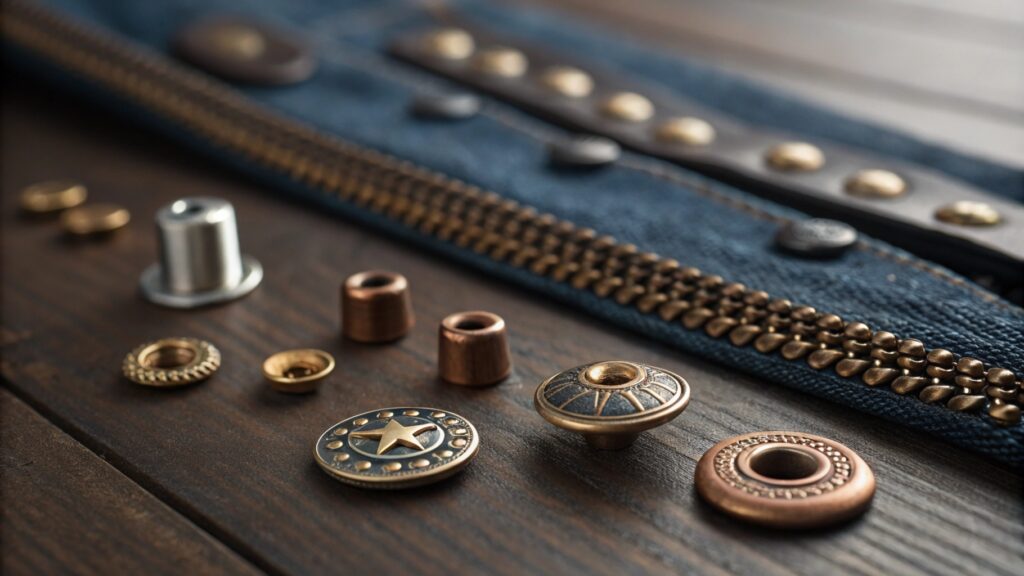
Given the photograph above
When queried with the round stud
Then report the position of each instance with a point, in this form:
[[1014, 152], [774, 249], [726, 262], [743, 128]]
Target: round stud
[[611, 402], [297, 371], [376, 307], [451, 44], [94, 219], [455, 106], [501, 61], [785, 479], [628, 106], [686, 130], [389, 449], [795, 157], [584, 151], [876, 183], [816, 238], [968, 213], [52, 196], [171, 362], [567, 81], [473, 349]]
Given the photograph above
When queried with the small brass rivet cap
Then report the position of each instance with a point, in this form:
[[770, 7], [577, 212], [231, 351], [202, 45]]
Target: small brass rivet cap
[[501, 61], [686, 130], [785, 479], [376, 307], [91, 219], [451, 44], [52, 196], [628, 106], [568, 81], [968, 213], [473, 349], [876, 183], [171, 362], [611, 402], [795, 157], [297, 371]]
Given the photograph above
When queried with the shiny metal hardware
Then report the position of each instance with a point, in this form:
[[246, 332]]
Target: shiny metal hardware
[[816, 238], [567, 81], [200, 261], [795, 157], [297, 371], [52, 196], [450, 44], [393, 448], [686, 130], [94, 219], [785, 479], [584, 151], [171, 362], [454, 106], [968, 213], [876, 183], [473, 349], [376, 307], [611, 402], [501, 61], [628, 106]]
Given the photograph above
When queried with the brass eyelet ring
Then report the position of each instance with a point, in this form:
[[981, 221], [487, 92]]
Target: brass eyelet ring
[[171, 362], [297, 371]]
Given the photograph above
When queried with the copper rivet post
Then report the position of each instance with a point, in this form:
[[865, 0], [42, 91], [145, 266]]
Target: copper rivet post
[[297, 371], [376, 307], [473, 349]]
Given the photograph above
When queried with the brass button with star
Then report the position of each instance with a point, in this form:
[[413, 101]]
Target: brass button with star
[[393, 448]]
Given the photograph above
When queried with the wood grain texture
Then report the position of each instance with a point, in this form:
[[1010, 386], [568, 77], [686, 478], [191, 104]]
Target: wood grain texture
[[236, 458]]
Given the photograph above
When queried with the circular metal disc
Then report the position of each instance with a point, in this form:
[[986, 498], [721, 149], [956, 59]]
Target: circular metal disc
[[153, 288]]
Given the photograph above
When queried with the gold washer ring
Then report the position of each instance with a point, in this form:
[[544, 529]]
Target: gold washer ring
[[171, 362], [297, 371]]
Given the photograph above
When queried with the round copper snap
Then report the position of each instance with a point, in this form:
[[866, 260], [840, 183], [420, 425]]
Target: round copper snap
[[376, 307], [473, 349], [297, 371], [785, 479]]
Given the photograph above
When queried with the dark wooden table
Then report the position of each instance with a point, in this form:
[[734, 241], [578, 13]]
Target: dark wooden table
[[101, 476]]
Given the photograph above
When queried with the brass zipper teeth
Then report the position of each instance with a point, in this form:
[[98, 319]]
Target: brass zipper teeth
[[506, 231]]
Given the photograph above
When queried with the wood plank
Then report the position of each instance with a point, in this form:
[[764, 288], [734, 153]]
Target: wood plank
[[235, 457]]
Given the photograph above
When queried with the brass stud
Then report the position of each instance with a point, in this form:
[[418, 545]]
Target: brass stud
[[451, 44], [94, 219], [376, 307], [686, 130], [501, 61], [968, 213], [297, 371], [568, 81], [52, 196], [876, 183], [473, 349], [237, 40], [628, 106], [795, 157]]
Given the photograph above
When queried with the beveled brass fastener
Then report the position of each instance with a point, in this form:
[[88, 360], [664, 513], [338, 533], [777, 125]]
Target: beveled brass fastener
[[376, 307], [171, 362], [297, 371]]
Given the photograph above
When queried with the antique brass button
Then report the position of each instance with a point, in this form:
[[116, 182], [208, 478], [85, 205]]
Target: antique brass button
[[501, 61], [376, 307], [686, 130], [611, 402], [785, 479], [171, 362], [451, 44], [473, 349], [93, 219], [968, 213], [456, 106], [816, 238], [795, 157], [876, 183], [52, 196], [297, 371], [568, 81], [584, 151], [628, 106], [397, 447]]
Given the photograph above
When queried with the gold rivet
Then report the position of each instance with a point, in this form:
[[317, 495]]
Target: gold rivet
[[363, 465], [392, 467], [686, 130], [501, 61], [359, 422], [52, 196], [420, 463], [968, 213], [451, 44], [446, 453], [239, 41], [628, 106], [795, 157], [385, 414], [341, 457], [94, 219], [341, 431], [876, 183], [451, 421], [335, 445], [459, 442], [411, 412], [459, 431], [568, 81], [438, 415]]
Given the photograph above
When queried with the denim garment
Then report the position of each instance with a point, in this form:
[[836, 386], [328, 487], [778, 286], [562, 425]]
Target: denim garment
[[363, 96]]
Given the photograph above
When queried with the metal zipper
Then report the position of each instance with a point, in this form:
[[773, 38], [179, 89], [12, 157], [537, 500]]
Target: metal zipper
[[506, 231]]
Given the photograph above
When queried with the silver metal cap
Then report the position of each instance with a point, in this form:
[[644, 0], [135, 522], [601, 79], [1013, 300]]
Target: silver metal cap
[[200, 260]]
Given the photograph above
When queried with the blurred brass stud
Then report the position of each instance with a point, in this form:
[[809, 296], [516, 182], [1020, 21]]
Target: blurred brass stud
[[376, 307], [473, 349], [686, 130], [94, 219], [568, 81], [52, 196], [451, 44], [795, 157], [501, 61], [876, 183], [628, 106], [297, 371], [968, 213]]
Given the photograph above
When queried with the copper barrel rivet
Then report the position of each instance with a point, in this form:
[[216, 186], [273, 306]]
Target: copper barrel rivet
[[297, 371], [785, 479], [473, 349], [376, 307], [171, 362]]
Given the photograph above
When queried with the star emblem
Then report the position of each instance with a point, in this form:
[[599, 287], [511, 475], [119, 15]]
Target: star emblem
[[394, 434]]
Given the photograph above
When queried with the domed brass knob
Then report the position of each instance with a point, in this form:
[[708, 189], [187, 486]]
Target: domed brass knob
[[611, 402]]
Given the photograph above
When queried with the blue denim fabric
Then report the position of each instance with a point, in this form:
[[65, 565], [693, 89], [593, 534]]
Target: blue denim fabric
[[363, 97]]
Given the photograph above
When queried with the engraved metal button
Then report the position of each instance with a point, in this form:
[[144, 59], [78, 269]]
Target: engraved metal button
[[455, 106], [245, 51], [968, 213], [628, 106], [52, 196], [686, 130], [451, 44], [816, 238], [785, 479], [584, 151], [568, 81], [394, 448], [200, 262], [795, 157], [501, 61], [876, 183], [376, 307], [297, 371], [473, 349], [611, 402], [171, 362], [94, 219]]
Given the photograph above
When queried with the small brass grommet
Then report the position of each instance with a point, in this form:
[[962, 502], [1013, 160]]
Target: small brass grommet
[[501, 61], [628, 106], [611, 402], [52, 196], [686, 130], [94, 219], [297, 371], [568, 81], [785, 479], [237, 40], [376, 307], [968, 213], [473, 349], [451, 44], [795, 157], [171, 362], [876, 183]]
